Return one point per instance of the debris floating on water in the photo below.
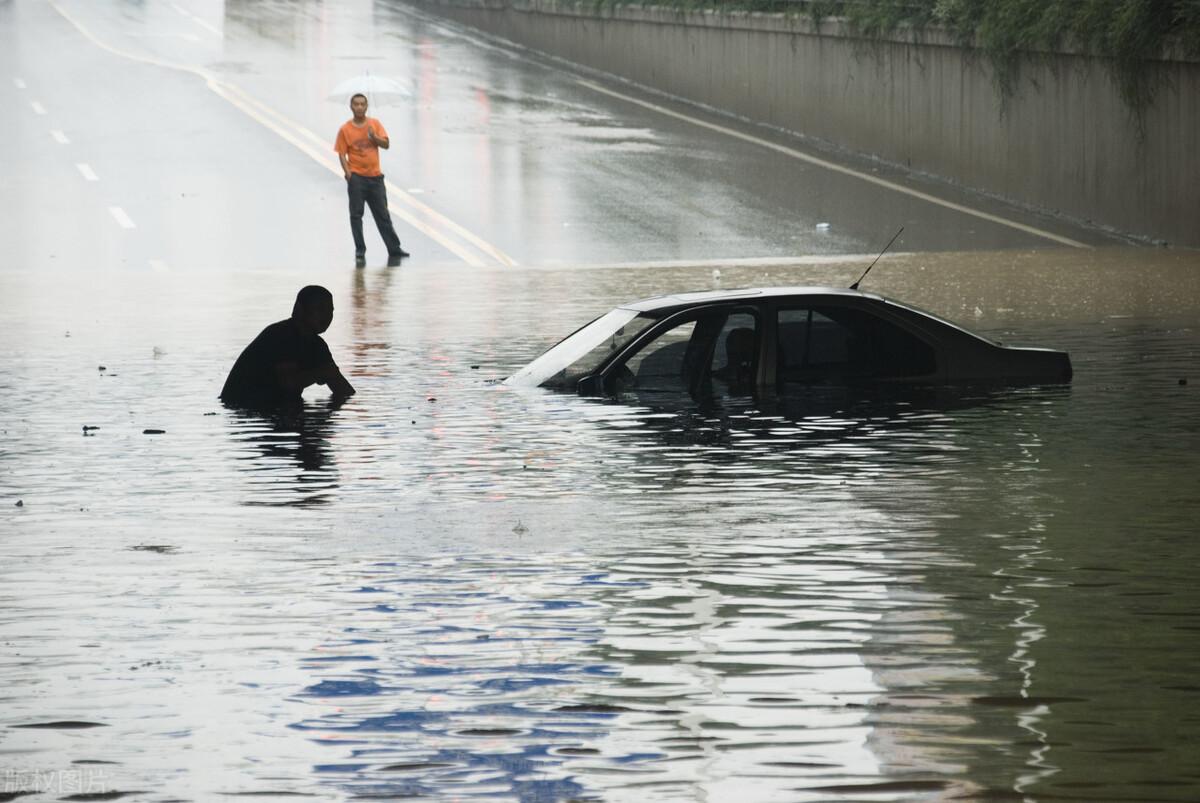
(20, 503)
(102, 368)
(154, 432)
(89, 428)
(822, 227)
(162, 549)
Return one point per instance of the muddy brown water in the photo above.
(452, 588)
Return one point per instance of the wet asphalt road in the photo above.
(176, 135)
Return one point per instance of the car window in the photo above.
(709, 352)
(662, 364)
(822, 343)
(734, 364)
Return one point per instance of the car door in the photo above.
(823, 341)
(712, 351)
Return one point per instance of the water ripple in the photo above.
(451, 588)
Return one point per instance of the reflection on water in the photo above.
(452, 588)
(287, 455)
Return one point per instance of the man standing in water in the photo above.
(287, 357)
(358, 143)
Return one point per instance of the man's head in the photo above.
(358, 105)
(313, 309)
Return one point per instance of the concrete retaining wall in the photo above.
(1065, 142)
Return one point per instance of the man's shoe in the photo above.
(360, 260)
(399, 254)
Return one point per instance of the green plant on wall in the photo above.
(1129, 35)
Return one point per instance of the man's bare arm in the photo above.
(338, 384)
(382, 142)
(293, 378)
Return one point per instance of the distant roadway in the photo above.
(183, 135)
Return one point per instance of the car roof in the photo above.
(740, 294)
(670, 303)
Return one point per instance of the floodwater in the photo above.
(455, 589)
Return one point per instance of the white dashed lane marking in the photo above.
(86, 171)
(60, 137)
(471, 248)
(18, 83)
(38, 108)
(123, 220)
(185, 13)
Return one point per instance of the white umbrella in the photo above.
(375, 87)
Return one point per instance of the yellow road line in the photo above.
(292, 132)
(256, 111)
(427, 211)
(792, 152)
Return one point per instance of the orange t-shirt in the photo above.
(361, 152)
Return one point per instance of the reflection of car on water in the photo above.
(740, 342)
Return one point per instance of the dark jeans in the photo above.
(370, 189)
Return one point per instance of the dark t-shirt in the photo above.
(253, 380)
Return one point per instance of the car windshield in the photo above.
(578, 355)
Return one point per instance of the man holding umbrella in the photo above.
(358, 143)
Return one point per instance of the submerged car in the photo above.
(745, 342)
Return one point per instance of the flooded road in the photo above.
(185, 136)
(450, 588)
(453, 588)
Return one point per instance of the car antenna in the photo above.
(881, 253)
